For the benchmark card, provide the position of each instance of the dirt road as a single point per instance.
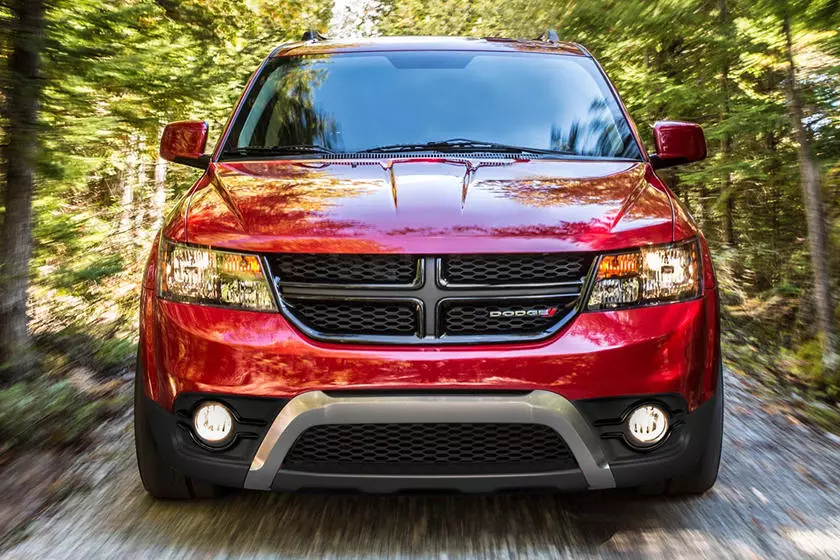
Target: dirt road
(778, 497)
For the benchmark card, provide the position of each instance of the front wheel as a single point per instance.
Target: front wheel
(159, 479)
(703, 475)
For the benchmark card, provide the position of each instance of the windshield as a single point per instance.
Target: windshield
(440, 101)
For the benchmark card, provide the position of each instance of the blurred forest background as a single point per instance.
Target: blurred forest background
(83, 189)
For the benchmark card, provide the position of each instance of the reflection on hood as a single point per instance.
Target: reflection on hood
(428, 205)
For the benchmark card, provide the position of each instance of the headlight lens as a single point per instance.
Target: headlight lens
(645, 276)
(202, 275)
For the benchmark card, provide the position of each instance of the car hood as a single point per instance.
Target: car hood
(426, 205)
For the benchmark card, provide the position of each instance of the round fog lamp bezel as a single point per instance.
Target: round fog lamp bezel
(641, 445)
(197, 433)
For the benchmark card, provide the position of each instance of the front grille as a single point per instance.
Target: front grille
(433, 448)
(543, 268)
(348, 317)
(346, 269)
(463, 318)
(413, 299)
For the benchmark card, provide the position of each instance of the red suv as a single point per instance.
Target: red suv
(429, 263)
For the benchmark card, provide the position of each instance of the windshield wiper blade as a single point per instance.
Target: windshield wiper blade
(279, 150)
(461, 145)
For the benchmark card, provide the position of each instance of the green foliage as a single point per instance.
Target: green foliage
(807, 362)
(114, 73)
(114, 353)
(50, 413)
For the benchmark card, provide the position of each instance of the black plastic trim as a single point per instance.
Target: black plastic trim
(571, 480)
(429, 294)
(609, 415)
(662, 163)
(417, 283)
(201, 162)
(288, 307)
(678, 455)
(446, 284)
(243, 427)
(312, 35)
(569, 307)
(462, 156)
(226, 466)
(348, 449)
(629, 468)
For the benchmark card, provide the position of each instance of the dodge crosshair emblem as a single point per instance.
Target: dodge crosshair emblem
(547, 312)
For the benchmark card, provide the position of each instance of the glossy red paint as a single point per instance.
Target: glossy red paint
(428, 206)
(658, 349)
(679, 142)
(183, 140)
(684, 225)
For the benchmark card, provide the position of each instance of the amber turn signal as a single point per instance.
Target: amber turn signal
(619, 266)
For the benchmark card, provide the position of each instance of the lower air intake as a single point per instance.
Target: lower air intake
(430, 449)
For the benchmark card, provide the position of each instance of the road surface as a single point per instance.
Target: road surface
(778, 496)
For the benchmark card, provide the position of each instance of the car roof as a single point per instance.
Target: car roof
(386, 44)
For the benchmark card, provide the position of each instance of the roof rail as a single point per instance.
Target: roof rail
(312, 35)
(549, 36)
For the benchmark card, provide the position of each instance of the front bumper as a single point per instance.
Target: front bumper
(578, 382)
(588, 427)
(650, 350)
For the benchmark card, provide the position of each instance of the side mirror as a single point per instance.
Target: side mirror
(184, 142)
(677, 143)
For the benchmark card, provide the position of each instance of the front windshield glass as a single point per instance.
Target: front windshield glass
(355, 102)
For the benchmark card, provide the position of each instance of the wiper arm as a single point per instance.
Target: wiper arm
(461, 145)
(279, 150)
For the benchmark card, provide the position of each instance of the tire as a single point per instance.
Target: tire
(159, 479)
(703, 476)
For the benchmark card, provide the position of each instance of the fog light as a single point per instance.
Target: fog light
(213, 423)
(647, 425)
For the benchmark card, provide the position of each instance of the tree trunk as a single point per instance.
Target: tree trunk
(140, 184)
(814, 212)
(728, 189)
(731, 237)
(773, 170)
(24, 89)
(160, 191)
(129, 184)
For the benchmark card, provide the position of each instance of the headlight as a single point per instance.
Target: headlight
(645, 276)
(202, 275)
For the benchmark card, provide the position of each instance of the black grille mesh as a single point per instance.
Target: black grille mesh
(480, 318)
(356, 317)
(346, 269)
(385, 298)
(541, 268)
(433, 448)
